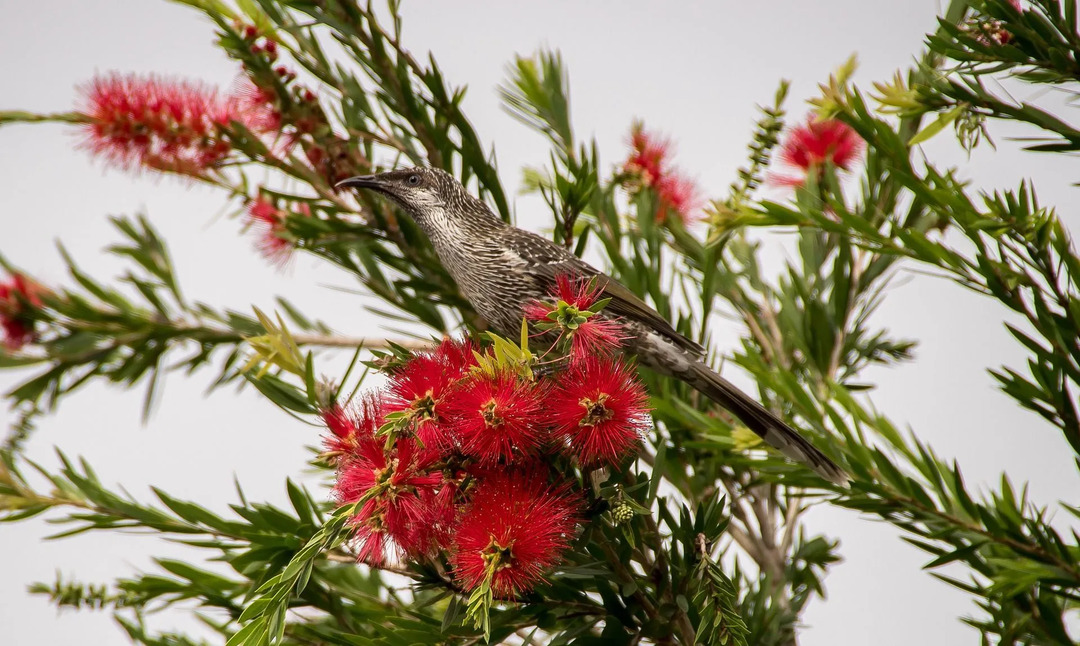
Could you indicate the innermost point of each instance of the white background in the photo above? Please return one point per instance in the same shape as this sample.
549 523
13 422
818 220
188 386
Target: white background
694 71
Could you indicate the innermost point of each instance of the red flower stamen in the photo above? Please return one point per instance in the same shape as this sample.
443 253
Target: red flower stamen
422 386
156 123
401 512
649 166
514 528
809 147
498 418
257 107
590 336
601 410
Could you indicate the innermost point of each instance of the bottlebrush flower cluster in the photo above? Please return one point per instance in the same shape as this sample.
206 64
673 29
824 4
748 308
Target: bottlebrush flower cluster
810 146
180 126
274 241
18 295
454 456
649 166
156 123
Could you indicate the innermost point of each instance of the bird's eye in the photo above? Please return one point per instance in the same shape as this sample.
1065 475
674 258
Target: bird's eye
413 180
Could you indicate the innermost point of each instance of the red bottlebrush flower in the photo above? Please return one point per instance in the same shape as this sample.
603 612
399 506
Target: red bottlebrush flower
649 166
600 409
813 144
273 242
256 106
157 123
581 294
339 423
260 110
677 195
648 157
497 418
457 355
350 427
422 387
17 295
595 336
588 334
400 512
514 528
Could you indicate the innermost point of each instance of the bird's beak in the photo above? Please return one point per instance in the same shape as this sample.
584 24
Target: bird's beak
361 181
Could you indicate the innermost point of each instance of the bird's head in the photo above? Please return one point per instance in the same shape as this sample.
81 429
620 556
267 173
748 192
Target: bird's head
430 195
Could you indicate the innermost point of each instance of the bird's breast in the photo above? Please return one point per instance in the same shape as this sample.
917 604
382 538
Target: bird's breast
493 283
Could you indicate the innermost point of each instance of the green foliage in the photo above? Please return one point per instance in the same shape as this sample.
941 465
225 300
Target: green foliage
702 540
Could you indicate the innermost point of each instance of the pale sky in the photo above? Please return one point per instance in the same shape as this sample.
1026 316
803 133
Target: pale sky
693 70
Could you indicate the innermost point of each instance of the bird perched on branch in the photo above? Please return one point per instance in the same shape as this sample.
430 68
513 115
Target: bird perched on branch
500 269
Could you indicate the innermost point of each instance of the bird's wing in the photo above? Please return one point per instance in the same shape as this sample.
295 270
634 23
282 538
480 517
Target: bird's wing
546 260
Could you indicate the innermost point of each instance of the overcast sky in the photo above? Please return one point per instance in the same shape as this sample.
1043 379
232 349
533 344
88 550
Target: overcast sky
692 70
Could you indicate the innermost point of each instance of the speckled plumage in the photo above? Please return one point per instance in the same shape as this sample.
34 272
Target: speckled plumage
500 268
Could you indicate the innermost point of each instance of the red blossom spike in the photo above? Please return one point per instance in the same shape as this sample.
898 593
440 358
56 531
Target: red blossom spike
537 311
17 295
648 156
401 513
498 418
514 528
600 409
339 423
595 336
350 427
274 242
270 222
157 123
581 293
817 142
456 354
678 196
422 385
589 336
257 108
649 166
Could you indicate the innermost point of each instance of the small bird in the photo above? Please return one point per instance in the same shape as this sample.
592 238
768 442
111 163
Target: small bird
500 269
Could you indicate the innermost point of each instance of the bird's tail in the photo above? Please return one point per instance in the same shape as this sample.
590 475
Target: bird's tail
759 420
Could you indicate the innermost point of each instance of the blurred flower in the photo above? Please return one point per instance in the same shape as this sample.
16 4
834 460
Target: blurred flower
17 295
648 155
677 195
571 316
810 146
514 528
256 107
278 111
275 243
498 418
649 167
600 409
157 123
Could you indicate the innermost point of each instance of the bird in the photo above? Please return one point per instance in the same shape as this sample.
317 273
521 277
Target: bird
500 269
